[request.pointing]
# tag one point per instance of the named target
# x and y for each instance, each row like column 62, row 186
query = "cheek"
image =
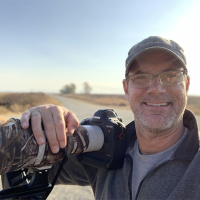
column 134, row 95
column 180, row 90
column 179, row 94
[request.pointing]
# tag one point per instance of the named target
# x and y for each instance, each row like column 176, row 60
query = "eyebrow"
column 141, row 72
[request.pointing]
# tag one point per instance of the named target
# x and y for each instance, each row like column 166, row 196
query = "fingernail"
column 55, row 149
column 24, row 124
column 41, row 140
column 62, row 145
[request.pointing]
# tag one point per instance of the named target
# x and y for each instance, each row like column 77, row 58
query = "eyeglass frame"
column 184, row 72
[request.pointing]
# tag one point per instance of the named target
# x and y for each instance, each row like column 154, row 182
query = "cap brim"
column 149, row 48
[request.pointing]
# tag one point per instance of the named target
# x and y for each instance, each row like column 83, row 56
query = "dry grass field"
column 19, row 102
column 13, row 104
column 194, row 104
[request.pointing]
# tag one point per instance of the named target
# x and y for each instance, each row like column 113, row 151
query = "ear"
column 125, row 86
column 187, row 83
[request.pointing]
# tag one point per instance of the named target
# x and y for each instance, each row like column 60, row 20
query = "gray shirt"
column 143, row 164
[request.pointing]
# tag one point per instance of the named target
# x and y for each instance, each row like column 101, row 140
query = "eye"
column 140, row 77
column 171, row 74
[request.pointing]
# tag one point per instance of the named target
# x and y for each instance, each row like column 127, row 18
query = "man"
column 162, row 142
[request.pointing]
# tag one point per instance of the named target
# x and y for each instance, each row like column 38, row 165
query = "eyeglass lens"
column 166, row 78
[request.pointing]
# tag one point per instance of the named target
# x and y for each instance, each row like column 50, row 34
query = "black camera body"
column 111, row 155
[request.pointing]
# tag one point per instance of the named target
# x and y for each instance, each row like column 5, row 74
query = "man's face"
column 157, row 108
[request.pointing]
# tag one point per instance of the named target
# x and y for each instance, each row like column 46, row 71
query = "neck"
column 161, row 142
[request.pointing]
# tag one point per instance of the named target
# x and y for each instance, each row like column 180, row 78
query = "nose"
column 156, row 86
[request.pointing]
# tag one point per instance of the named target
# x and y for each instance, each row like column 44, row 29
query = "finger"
column 49, row 126
column 25, row 119
column 60, row 126
column 36, row 121
column 72, row 121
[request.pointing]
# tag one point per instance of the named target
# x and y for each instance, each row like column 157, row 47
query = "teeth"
column 157, row 104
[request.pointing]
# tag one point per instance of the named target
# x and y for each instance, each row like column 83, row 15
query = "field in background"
column 16, row 103
column 194, row 104
column 120, row 100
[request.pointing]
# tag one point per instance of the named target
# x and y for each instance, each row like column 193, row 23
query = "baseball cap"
column 155, row 42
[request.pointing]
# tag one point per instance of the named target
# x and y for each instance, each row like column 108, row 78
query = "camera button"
column 121, row 136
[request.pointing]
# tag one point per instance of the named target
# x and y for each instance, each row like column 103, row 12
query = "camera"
column 98, row 141
column 111, row 154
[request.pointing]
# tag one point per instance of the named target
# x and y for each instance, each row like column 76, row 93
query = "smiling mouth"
column 157, row 104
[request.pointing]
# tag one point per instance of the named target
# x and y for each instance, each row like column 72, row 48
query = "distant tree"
column 87, row 88
column 68, row 89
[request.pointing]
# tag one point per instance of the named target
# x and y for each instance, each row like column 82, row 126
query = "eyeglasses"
column 165, row 78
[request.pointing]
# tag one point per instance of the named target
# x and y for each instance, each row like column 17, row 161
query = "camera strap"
column 64, row 160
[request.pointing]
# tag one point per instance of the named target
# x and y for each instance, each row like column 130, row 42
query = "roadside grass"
column 194, row 104
column 16, row 103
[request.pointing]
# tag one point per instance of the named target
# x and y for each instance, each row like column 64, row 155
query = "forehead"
column 155, row 61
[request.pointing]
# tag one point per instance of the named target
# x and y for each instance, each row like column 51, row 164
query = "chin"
column 157, row 125
column 158, row 129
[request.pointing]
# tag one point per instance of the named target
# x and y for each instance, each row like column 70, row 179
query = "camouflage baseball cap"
column 155, row 42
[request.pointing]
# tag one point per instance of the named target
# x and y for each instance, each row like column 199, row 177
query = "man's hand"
column 55, row 120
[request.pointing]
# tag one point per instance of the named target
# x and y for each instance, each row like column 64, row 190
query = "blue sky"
column 47, row 44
